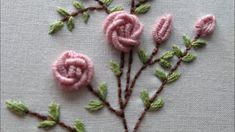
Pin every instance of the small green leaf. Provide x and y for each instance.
(54, 111)
(145, 97)
(143, 56)
(47, 124)
(115, 68)
(198, 43)
(173, 77)
(164, 63)
(94, 105)
(160, 74)
(17, 107)
(55, 27)
(70, 24)
(167, 55)
(85, 16)
(78, 5)
(62, 11)
(157, 104)
(103, 90)
(189, 58)
(107, 2)
(177, 51)
(143, 8)
(187, 41)
(79, 125)
(116, 8)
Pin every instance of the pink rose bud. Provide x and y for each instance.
(205, 25)
(162, 29)
(122, 30)
(73, 70)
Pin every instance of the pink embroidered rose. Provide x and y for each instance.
(73, 70)
(162, 29)
(122, 30)
(205, 25)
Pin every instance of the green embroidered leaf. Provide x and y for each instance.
(17, 107)
(189, 58)
(116, 8)
(115, 68)
(85, 16)
(164, 63)
(94, 105)
(143, 8)
(143, 56)
(103, 90)
(55, 27)
(79, 125)
(54, 111)
(145, 97)
(187, 41)
(78, 5)
(199, 43)
(47, 124)
(157, 104)
(107, 2)
(177, 51)
(173, 77)
(62, 11)
(70, 24)
(160, 74)
(167, 55)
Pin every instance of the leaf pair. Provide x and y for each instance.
(155, 105)
(169, 78)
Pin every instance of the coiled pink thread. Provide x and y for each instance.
(162, 29)
(73, 70)
(122, 30)
(205, 25)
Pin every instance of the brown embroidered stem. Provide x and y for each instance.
(173, 69)
(149, 62)
(93, 8)
(106, 103)
(44, 117)
(132, 10)
(128, 76)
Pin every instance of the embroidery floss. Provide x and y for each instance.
(162, 29)
(73, 70)
(205, 25)
(122, 30)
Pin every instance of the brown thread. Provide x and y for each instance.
(173, 69)
(149, 62)
(43, 117)
(75, 13)
(132, 10)
(130, 60)
(106, 103)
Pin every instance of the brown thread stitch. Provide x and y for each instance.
(128, 72)
(43, 117)
(174, 68)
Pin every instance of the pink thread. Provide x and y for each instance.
(73, 70)
(162, 28)
(122, 30)
(205, 25)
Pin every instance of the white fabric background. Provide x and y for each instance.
(201, 101)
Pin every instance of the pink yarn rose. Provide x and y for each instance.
(162, 29)
(73, 70)
(205, 25)
(122, 30)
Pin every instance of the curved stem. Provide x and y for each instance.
(132, 10)
(149, 62)
(44, 117)
(173, 69)
(106, 103)
(92, 8)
